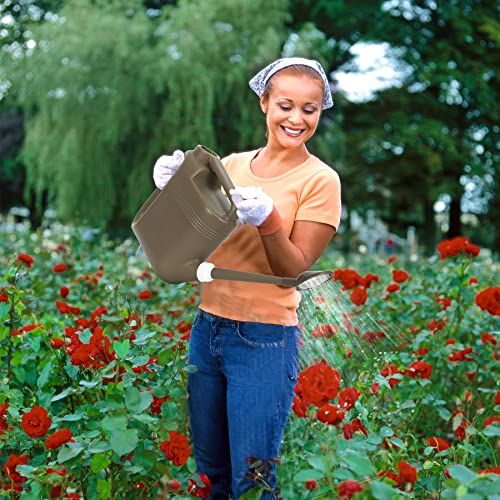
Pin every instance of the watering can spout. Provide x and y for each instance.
(310, 279)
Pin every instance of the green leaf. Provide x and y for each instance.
(463, 474)
(444, 413)
(142, 337)
(85, 336)
(492, 430)
(386, 431)
(252, 494)
(99, 462)
(104, 488)
(191, 465)
(308, 474)
(67, 392)
(318, 463)
(145, 458)
(44, 375)
(139, 360)
(98, 447)
(4, 310)
(137, 401)
(111, 319)
(121, 348)
(382, 491)
(114, 422)
(68, 452)
(359, 465)
(124, 442)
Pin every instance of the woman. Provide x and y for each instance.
(245, 336)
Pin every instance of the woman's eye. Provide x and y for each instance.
(285, 108)
(308, 111)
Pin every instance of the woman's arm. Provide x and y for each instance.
(290, 257)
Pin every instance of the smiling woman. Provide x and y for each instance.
(245, 338)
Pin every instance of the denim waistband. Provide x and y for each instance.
(219, 319)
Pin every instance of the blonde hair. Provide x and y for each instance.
(296, 70)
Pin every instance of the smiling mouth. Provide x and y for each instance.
(292, 132)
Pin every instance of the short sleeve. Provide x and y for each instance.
(320, 200)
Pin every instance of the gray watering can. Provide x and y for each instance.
(179, 226)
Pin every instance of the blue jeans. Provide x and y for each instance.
(240, 398)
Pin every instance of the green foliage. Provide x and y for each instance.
(108, 89)
(111, 405)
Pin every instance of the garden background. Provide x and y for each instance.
(398, 391)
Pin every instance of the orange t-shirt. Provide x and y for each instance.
(310, 191)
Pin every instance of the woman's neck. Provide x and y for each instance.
(277, 156)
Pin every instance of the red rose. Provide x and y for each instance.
(330, 414)
(196, 491)
(347, 397)
(390, 370)
(358, 296)
(299, 407)
(144, 295)
(445, 303)
(489, 300)
(399, 276)
(438, 443)
(58, 438)
(372, 337)
(36, 422)
(349, 488)
(369, 278)
(26, 259)
(462, 355)
(487, 337)
(419, 369)
(56, 342)
(392, 259)
(311, 484)
(176, 448)
(350, 430)
(393, 287)
(64, 292)
(349, 278)
(174, 484)
(407, 472)
(496, 401)
(490, 420)
(319, 383)
(59, 268)
(326, 331)
(10, 468)
(459, 244)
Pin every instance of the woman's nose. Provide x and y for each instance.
(295, 116)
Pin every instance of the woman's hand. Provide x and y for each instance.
(253, 206)
(165, 167)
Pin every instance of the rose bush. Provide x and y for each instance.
(396, 396)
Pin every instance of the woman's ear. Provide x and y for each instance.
(263, 104)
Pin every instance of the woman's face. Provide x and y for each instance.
(292, 109)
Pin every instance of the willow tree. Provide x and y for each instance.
(108, 88)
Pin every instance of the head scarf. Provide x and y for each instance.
(259, 81)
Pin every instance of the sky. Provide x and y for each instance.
(370, 70)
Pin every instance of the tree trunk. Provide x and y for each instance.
(454, 224)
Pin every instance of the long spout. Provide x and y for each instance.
(309, 279)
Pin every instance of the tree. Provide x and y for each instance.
(411, 145)
(109, 88)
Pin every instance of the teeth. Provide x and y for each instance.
(292, 132)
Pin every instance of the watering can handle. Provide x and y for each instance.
(219, 170)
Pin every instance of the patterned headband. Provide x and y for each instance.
(259, 81)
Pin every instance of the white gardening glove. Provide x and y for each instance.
(165, 167)
(253, 206)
